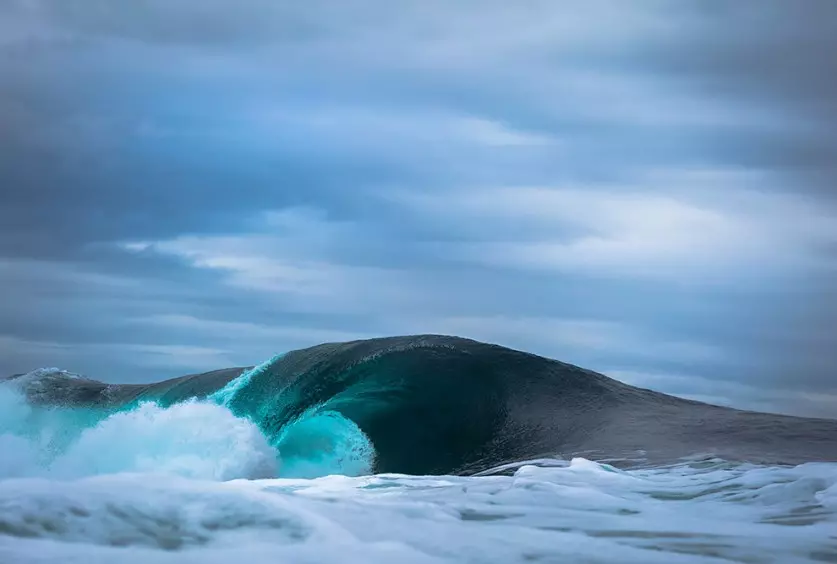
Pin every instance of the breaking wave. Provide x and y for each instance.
(413, 405)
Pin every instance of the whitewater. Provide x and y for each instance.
(145, 478)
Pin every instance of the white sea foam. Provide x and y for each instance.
(195, 439)
(577, 512)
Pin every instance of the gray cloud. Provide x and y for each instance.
(289, 173)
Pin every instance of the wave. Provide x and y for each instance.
(409, 405)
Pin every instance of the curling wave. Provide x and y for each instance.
(410, 405)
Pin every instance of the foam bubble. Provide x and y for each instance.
(195, 439)
(580, 512)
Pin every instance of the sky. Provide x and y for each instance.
(645, 188)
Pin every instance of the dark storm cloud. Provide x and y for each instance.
(777, 58)
(777, 52)
(145, 143)
(87, 162)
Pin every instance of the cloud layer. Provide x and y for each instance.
(644, 190)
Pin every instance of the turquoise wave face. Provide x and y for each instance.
(323, 443)
(317, 442)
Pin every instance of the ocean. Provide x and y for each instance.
(410, 449)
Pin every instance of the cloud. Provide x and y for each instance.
(651, 229)
(435, 22)
(387, 129)
(294, 260)
(644, 188)
(249, 332)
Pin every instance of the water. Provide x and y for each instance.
(185, 471)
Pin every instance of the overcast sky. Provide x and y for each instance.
(643, 188)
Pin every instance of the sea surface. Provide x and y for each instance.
(411, 449)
